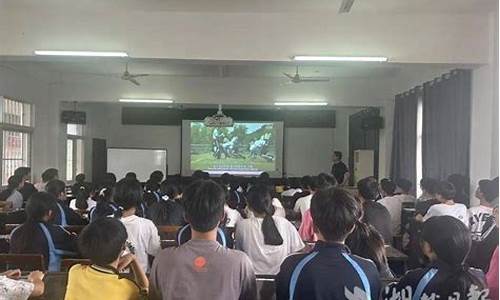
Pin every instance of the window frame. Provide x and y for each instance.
(16, 128)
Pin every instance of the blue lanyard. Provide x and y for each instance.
(422, 284)
(220, 233)
(54, 254)
(63, 215)
(296, 272)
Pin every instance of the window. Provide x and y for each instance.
(74, 150)
(16, 126)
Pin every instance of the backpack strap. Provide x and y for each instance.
(64, 222)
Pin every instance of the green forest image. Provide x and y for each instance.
(243, 147)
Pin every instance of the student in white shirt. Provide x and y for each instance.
(403, 190)
(292, 188)
(447, 207)
(232, 216)
(392, 203)
(478, 215)
(142, 233)
(304, 203)
(265, 238)
(11, 195)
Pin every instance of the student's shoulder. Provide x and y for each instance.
(364, 263)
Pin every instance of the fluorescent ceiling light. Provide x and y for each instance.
(339, 58)
(146, 100)
(300, 103)
(81, 53)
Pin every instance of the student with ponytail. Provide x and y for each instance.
(266, 239)
(63, 215)
(446, 242)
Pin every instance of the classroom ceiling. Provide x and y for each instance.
(212, 69)
(259, 6)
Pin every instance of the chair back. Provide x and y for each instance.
(24, 262)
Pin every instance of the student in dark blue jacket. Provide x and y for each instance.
(330, 271)
(446, 242)
(63, 215)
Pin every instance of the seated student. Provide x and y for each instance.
(478, 215)
(47, 175)
(201, 268)
(365, 241)
(28, 188)
(11, 195)
(156, 177)
(446, 243)
(482, 249)
(104, 242)
(265, 238)
(168, 211)
(447, 206)
(39, 235)
(79, 184)
(292, 187)
(303, 203)
(428, 198)
(403, 189)
(63, 215)
(142, 233)
(105, 206)
(461, 184)
(374, 213)
(329, 271)
(236, 198)
(83, 202)
(152, 193)
(223, 237)
(232, 216)
(131, 176)
(14, 288)
(392, 202)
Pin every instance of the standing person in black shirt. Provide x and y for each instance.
(374, 213)
(446, 243)
(339, 169)
(28, 188)
(330, 271)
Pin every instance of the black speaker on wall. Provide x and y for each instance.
(372, 122)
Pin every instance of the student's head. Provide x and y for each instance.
(225, 179)
(204, 205)
(103, 241)
(387, 187)
(50, 174)
(486, 191)
(40, 207)
(151, 186)
(56, 188)
(260, 202)
(368, 188)
(128, 194)
(448, 240)
(337, 156)
(324, 180)
(334, 212)
(108, 179)
(460, 182)
(198, 174)
(15, 182)
(81, 199)
(264, 176)
(171, 190)
(366, 241)
(131, 176)
(156, 176)
(23, 172)
(445, 191)
(429, 185)
(80, 178)
(404, 185)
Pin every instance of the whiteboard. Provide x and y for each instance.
(141, 161)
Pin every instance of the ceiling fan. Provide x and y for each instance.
(345, 6)
(297, 78)
(131, 77)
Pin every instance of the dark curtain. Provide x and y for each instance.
(404, 137)
(446, 125)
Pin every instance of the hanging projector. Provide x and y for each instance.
(218, 120)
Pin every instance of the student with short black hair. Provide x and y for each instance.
(39, 235)
(265, 238)
(461, 184)
(478, 215)
(447, 206)
(392, 202)
(63, 215)
(428, 198)
(403, 190)
(142, 233)
(28, 188)
(374, 213)
(131, 176)
(156, 177)
(11, 196)
(446, 242)
(47, 175)
(104, 242)
(201, 268)
(330, 271)
(168, 210)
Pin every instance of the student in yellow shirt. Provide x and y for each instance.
(104, 242)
